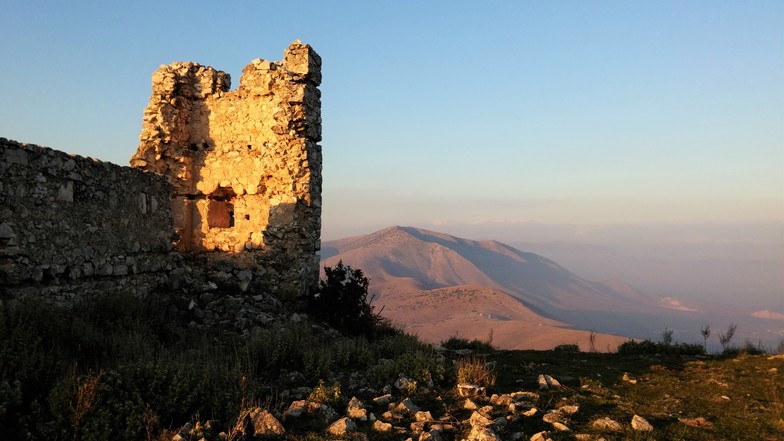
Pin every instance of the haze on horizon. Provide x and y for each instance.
(655, 129)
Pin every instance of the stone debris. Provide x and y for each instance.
(569, 409)
(341, 427)
(607, 424)
(259, 422)
(479, 420)
(407, 406)
(310, 409)
(356, 410)
(423, 416)
(471, 390)
(547, 382)
(500, 400)
(530, 397)
(479, 433)
(640, 424)
(380, 426)
(469, 405)
(629, 378)
(432, 435)
(541, 436)
(500, 419)
(554, 416)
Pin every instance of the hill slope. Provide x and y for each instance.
(404, 262)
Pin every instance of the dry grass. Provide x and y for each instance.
(475, 370)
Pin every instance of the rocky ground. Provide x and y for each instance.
(537, 395)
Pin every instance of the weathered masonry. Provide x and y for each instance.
(73, 226)
(245, 164)
(230, 179)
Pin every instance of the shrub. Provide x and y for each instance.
(326, 394)
(647, 347)
(342, 302)
(456, 343)
(568, 348)
(417, 364)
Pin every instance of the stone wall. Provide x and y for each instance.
(245, 165)
(73, 226)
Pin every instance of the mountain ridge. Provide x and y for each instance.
(404, 262)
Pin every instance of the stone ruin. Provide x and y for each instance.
(241, 168)
(245, 164)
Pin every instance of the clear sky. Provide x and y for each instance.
(437, 113)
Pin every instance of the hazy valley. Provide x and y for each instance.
(437, 285)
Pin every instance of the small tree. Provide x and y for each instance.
(592, 341)
(342, 301)
(705, 331)
(725, 339)
(667, 336)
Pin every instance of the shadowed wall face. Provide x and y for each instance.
(245, 164)
(72, 227)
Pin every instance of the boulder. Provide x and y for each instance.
(341, 427)
(258, 421)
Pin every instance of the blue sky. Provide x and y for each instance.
(442, 113)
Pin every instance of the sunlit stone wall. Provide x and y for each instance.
(245, 164)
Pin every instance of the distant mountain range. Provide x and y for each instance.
(439, 285)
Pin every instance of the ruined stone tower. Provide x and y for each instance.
(245, 164)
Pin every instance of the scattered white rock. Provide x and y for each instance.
(356, 410)
(342, 427)
(541, 436)
(640, 424)
(407, 406)
(482, 434)
(380, 426)
(423, 416)
(553, 416)
(479, 420)
(569, 409)
(547, 382)
(261, 422)
(560, 427)
(530, 397)
(607, 424)
(432, 435)
(470, 390)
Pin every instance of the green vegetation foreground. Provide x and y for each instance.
(121, 368)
